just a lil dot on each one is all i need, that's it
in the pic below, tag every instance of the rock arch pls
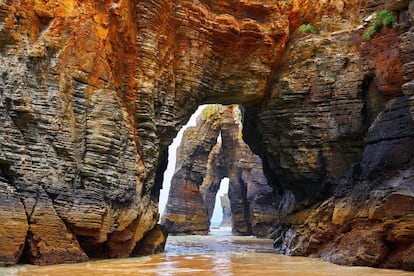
(203, 161)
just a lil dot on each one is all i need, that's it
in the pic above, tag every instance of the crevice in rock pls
(25, 257)
(29, 206)
(159, 176)
(6, 172)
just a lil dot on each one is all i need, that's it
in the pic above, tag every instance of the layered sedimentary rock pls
(91, 95)
(339, 122)
(210, 151)
(153, 242)
(369, 220)
(186, 212)
(92, 92)
(251, 198)
(13, 232)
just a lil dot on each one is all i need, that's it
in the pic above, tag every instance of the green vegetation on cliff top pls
(383, 18)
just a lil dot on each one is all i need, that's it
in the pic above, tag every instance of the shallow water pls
(215, 254)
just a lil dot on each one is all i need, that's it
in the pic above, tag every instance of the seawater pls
(219, 253)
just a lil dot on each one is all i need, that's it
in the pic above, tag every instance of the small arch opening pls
(221, 216)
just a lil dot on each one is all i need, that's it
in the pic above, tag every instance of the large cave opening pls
(212, 155)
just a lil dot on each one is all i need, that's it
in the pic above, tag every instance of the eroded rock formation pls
(186, 212)
(153, 242)
(338, 100)
(210, 151)
(92, 93)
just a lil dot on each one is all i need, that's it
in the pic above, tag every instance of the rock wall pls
(91, 95)
(209, 152)
(93, 92)
(338, 125)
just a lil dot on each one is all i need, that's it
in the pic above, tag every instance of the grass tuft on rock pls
(383, 18)
(308, 29)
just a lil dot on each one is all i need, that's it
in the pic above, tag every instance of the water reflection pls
(218, 254)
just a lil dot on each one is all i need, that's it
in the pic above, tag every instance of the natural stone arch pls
(216, 171)
(203, 161)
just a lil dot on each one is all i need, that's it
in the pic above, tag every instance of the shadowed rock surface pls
(153, 242)
(225, 205)
(93, 92)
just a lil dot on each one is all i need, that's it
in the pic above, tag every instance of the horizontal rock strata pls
(338, 125)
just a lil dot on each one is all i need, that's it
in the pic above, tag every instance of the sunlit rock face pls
(210, 151)
(92, 93)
